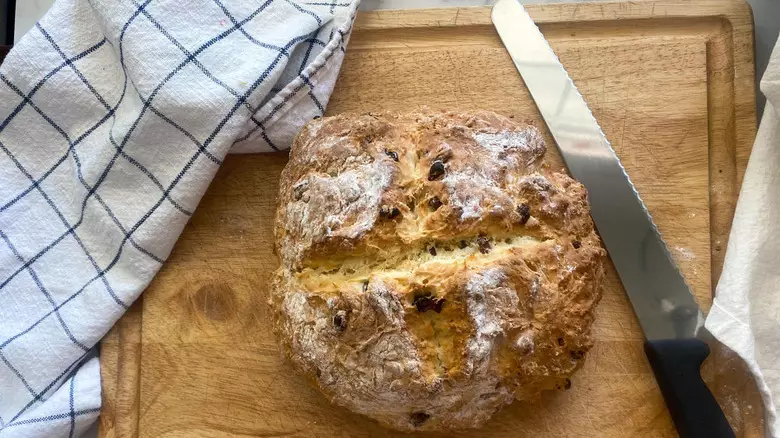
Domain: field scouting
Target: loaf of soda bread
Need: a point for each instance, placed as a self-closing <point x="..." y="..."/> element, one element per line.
<point x="433" y="269"/>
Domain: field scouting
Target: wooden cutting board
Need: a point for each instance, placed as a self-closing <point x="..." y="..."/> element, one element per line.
<point x="672" y="85"/>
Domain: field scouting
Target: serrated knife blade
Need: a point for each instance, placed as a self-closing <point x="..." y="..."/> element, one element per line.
<point x="662" y="301"/>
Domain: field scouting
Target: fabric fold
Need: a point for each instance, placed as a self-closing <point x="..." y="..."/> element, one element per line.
<point x="746" y="311"/>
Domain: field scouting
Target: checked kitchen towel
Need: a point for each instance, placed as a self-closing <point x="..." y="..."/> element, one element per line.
<point x="114" y="117"/>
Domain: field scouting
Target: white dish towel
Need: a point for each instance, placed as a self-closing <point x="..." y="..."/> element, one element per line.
<point x="114" y="117"/>
<point x="745" y="315"/>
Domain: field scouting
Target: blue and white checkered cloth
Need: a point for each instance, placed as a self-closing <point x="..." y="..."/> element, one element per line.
<point x="114" y="117"/>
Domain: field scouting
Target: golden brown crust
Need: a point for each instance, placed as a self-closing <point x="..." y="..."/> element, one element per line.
<point x="433" y="268"/>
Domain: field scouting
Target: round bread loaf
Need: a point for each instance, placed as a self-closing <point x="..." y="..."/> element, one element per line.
<point x="433" y="268"/>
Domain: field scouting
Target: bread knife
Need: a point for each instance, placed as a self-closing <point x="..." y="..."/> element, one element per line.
<point x="663" y="303"/>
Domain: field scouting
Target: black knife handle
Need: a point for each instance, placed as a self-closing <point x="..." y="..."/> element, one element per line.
<point x="694" y="410"/>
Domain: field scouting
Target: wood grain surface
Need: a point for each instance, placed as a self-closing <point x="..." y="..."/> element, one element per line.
<point x="671" y="84"/>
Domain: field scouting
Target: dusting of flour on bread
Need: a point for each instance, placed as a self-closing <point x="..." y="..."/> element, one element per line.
<point x="469" y="204"/>
<point x="488" y="297"/>
<point x="504" y="152"/>
<point x="527" y="142"/>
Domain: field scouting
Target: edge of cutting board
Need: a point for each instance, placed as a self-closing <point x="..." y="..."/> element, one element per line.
<point x="732" y="128"/>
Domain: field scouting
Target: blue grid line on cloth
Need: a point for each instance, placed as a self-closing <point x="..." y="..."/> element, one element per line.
<point x="103" y="102"/>
<point x="305" y="60"/>
<point x="151" y="107"/>
<point x="51" y="385"/>
<point x="266" y="138"/>
<point x="47" y="418"/>
<point x="101" y="274"/>
<point x="316" y="101"/>
<point x="332" y="8"/>
<point x="285" y="100"/>
<point x="282" y="50"/>
<point x="308" y="51"/>
<point x="71" y="230"/>
<point x="191" y="57"/>
<point x="298" y="88"/>
<point x="43" y="290"/>
<point x="147" y="103"/>
<point x="327" y="4"/>
<point x="314" y="41"/>
<point x="43" y="318"/>
<point x="275" y="90"/>
<point x="54" y="417"/>
<point x="72" y="149"/>
<point x="18" y="374"/>
<point x="305" y="11"/>
<point x="214" y="159"/>
<point x="253" y="40"/>
<point x="195" y="61"/>
<point x="24" y="102"/>
<point x="43" y="177"/>
<point x="48" y="76"/>
<point x="230" y="90"/>
<point x="256" y="84"/>
<point x="63" y="158"/>
<point x="304" y="82"/>
<point x="311" y="43"/>
<point x="189" y="164"/>
<point x="292" y="93"/>
<point x="72" y="414"/>
<point x="130" y="159"/>
<point x="247" y="35"/>
<point x="178" y="178"/>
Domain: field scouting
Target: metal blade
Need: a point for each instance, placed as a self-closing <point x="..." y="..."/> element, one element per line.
<point x="661" y="299"/>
